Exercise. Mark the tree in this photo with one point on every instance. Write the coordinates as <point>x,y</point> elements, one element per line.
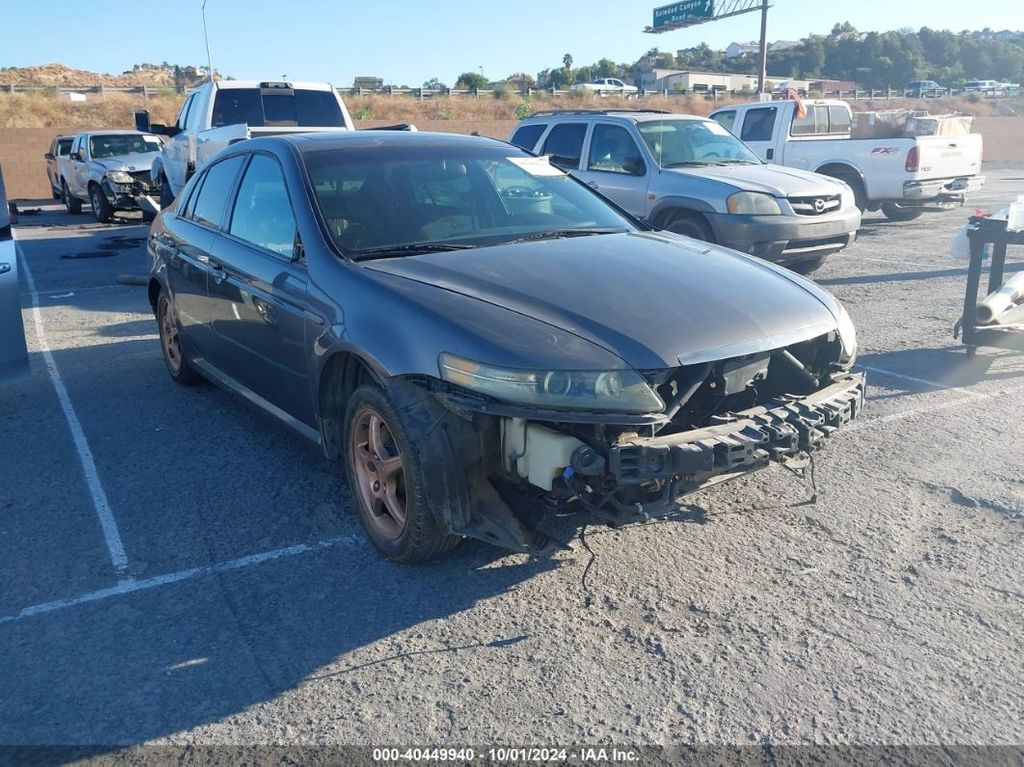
<point>433,84</point>
<point>567,61</point>
<point>471,80</point>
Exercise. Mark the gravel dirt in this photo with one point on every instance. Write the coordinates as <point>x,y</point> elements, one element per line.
<point>889,610</point>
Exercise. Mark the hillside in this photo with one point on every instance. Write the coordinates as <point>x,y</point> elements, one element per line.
<point>149,75</point>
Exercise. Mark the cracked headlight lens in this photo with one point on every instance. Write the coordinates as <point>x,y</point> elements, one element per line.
<point>119,177</point>
<point>847,336</point>
<point>622,391</point>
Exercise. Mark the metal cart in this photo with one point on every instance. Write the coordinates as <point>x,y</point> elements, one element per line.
<point>981,232</point>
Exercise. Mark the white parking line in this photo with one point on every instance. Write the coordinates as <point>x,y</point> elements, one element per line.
<point>99,496</point>
<point>915,411</point>
<point>130,586</point>
<point>922,381</point>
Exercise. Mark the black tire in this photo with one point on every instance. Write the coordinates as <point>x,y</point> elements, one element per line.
<point>148,217</point>
<point>72,204</point>
<point>166,195</point>
<point>808,265</point>
<point>55,193</point>
<point>178,366</point>
<point>894,212</point>
<point>101,207</point>
<point>860,196</point>
<point>691,226</point>
<point>420,536</point>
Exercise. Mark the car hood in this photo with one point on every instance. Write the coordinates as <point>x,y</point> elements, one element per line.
<point>775,180</point>
<point>656,300</point>
<point>128,162</point>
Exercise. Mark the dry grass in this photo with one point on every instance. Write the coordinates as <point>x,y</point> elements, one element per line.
<point>44,110</point>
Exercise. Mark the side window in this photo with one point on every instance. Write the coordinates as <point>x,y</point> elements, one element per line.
<point>613,150</point>
<point>194,120</point>
<point>183,114</point>
<point>527,136</point>
<point>263,214</point>
<point>759,124</point>
<point>838,120</point>
<point>725,119</point>
<point>211,201</point>
<point>565,145</point>
<point>63,147</point>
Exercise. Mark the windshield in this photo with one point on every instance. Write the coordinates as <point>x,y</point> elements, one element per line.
<point>277,107</point>
<point>679,143</point>
<point>117,145</point>
<point>442,197</point>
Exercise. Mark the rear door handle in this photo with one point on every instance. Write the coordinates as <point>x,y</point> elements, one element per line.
<point>219,275</point>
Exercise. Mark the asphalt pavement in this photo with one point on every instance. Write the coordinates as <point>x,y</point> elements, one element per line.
<point>182,569</point>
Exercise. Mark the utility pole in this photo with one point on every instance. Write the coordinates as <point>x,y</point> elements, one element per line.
<point>762,75</point>
<point>209,61</point>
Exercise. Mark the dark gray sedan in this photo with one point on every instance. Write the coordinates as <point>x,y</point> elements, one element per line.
<point>479,338</point>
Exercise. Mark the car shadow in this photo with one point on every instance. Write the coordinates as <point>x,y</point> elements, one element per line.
<point>914,371</point>
<point>925,274</point>
<point>197,478</point>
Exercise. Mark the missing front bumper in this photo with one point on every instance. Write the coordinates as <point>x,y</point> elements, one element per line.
<point>741,442</point>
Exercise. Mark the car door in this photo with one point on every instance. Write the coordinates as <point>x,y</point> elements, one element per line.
<point>564,145</point>
<point>615,167</point>
<point>186,244</point>
<point>13,353</point>
<point>78,173</point>
<point>175,151</point>
<point>758,131</point>
<point>257,292</point>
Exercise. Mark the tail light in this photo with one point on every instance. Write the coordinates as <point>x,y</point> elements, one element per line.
<point>913,160</point>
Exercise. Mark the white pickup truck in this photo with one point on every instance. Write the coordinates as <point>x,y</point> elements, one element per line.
<point>904,176</point>
<point>218,114</point>
<point>606,85</point>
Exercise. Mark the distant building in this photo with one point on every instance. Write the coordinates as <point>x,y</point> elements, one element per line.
<point>1007,34</point>
<point>735,50</point>
<point>783,45</point>
<point>369,83</point>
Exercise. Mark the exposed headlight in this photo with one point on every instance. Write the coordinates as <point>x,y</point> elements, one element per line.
<point>847,336</point>
<point>119,177</point>
<point>622,391</point>
<point>753,204</point>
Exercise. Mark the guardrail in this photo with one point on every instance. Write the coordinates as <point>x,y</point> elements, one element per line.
<point>427,93</point>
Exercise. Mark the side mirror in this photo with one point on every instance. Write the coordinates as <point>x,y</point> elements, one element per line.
<point>164,130</point>
<point>142,120</point>
<point>76,156</point>
<point>48,156</point>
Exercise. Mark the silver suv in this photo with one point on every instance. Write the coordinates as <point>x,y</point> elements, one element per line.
<point>691,176</point>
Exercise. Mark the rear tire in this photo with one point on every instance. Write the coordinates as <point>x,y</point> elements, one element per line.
<point>894,212</point>
<point>101,207</point>
<point>380,486</point>
<point>860,196</point>
<point>72,204</point>
<point>691,226</point>
<point>177,364</point>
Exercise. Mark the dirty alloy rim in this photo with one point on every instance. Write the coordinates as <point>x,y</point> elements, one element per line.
<point>380,472</point>
<point>169,336</point>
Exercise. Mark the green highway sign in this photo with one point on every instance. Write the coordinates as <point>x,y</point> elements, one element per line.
<point>683,11</point>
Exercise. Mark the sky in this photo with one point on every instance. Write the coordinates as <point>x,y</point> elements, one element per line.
<point>407,42</point>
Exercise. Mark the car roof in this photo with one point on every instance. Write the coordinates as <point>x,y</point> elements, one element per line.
<point>363,139</point>
<point>626,115</point>
<point>114,132</point>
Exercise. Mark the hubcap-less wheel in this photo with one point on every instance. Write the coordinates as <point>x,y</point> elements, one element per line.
<point>380,472</point>
<point>169,337</point>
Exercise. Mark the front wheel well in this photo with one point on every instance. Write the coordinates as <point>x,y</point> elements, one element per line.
<point>667,216</point>
<point>341,375</point>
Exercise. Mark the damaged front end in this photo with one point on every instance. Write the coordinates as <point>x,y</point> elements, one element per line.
<point>713,421</point>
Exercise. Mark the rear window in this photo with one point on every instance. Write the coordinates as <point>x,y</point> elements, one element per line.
<point>526,137</point>
<point>565,144</point>
<point>821,120</point>
<point>280,107</point>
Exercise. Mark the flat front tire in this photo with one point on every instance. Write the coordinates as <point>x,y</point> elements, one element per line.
<point>385,475</point>
<point>177,364</point>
